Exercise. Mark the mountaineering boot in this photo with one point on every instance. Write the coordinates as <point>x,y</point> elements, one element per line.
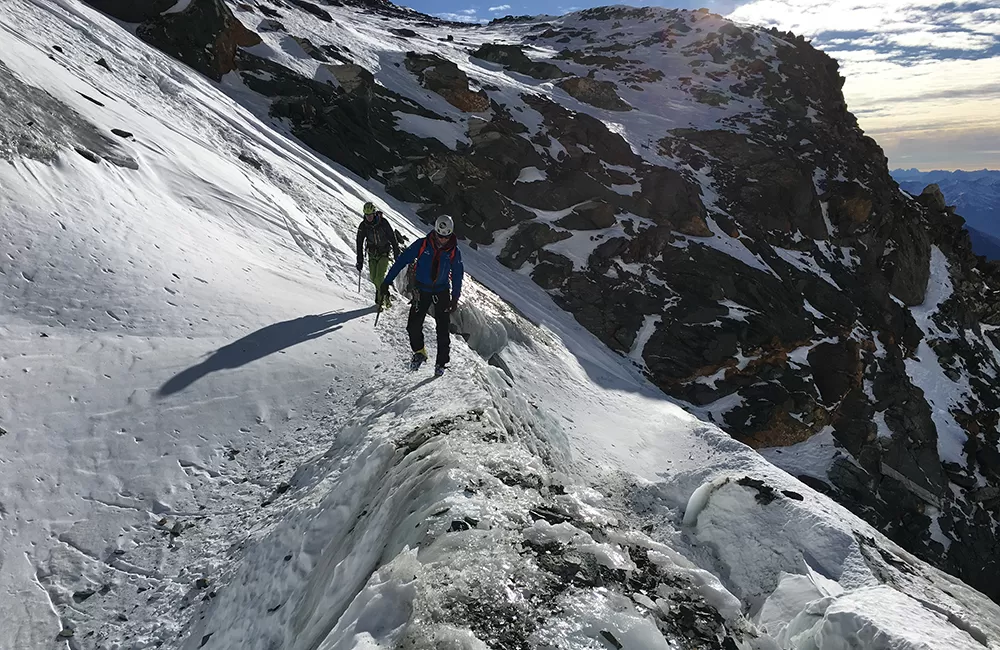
<point>438,371</point>
<point>418,358</point>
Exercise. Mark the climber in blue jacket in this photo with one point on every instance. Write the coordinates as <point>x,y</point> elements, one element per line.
<point>438,279</point>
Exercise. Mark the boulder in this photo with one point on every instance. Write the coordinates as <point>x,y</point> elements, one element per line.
<point>764,423</point>
<point>448,80</point>
<point>908,264</point>
<point>270,25</point>
<point>483,210</point>
<point>513,58</point>
<point>563,189</point>
<point>837,368</point>
<point>576,128</point>
<point>610,308</point>
<point>933,198</point>
<point>352,78</point>
<point>527,241</point>
<point>552,270</point>
<point>668,199</point>
<point>591,216</point>
<point>205,36</point>
<point>313,9</point>
<point>602,94</point>
<point>850,206</point>
<point>497,146</point>
<point>311,49</point>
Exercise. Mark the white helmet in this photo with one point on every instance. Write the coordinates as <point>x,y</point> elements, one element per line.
<point>444,226</point>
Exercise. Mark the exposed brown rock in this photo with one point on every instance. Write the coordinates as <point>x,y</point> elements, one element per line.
<point>205,35</point>
<point>446,79</point>
<point>602,94</point>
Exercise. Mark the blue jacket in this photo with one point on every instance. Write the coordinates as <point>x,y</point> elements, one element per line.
<point>448,262</point>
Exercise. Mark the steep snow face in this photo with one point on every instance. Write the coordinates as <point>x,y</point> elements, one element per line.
<point>206,443</point>
<point>160,330</point>
<point>943,393</point>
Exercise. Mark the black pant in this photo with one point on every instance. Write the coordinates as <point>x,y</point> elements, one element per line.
<point>442,319</point>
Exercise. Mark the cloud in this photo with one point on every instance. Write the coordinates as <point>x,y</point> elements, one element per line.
<point>462,16</point>
<point>944,40</point>
<point>921,74</point>
<point>811,17</point>
<point>500,8</point>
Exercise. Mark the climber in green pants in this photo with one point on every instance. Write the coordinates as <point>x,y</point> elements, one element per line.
<point>377,233</point>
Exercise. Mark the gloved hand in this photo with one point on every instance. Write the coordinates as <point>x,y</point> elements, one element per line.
<point>383,289</point>
<point>359,265</point>
<point>453,305</point>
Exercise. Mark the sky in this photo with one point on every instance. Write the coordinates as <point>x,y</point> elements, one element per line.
<point>923,76</point>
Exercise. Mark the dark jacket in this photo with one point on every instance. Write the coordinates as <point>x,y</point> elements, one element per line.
<point>435,266</point>
<point>379,236</point>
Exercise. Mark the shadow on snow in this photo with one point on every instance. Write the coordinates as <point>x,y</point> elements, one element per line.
<point>260,344</point>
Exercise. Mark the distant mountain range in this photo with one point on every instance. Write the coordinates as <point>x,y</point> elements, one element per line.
<point>976,196</point>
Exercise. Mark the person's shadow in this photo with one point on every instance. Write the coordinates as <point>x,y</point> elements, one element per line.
<point>261,343</point>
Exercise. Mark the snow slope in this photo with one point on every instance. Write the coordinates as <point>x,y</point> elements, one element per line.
<point>206,443</point>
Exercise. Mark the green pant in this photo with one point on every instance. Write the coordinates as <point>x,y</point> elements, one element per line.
<point>377,268</point>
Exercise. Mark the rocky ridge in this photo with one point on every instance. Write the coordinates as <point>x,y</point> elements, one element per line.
<point>699,196</point>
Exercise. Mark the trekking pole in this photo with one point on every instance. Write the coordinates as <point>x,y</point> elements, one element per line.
<point>359,280</point>
<point>379,312</point>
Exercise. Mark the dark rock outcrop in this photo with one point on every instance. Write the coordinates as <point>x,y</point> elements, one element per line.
<point>313,9</point>
<point>602,94</point>
<point>446,79</point>
<point>837,369</point>
<point>527,241</point>
<point>311,49</point>
<point>132,11</point>
<point>668,199</point>
<point>206,36</point>
<point>347,124</point>
<point>513,58</point>
<point>590,216</point>
<point>778,194</point>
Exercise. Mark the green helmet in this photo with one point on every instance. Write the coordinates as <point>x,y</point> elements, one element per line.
<point>369,208</point>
